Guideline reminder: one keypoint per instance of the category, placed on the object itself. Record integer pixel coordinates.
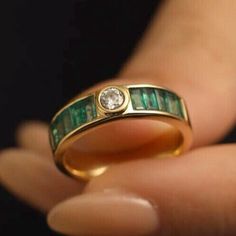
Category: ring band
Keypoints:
(111, 103)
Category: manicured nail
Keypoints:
(105, 213)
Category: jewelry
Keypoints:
(117, 102)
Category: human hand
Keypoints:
(189, 48)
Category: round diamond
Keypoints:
(112, 98)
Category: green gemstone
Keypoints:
(74, 112)
(72, 117)
(160, 96)
(137, 99)
(90, 108)
(83, 111)
(82, 114)
(173, 104)
(51, 139)
(54, 136)
(67, 121)
(180, 108)
(89, 112)
(57, 131)
(150, 99)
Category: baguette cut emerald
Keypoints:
(160, 96)
(57, 131)
(77, 114)
(150, 99)
(145, 99)
(83, 111)
(137, 98)
(67, 121)
(173, 104)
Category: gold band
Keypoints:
(85, 114)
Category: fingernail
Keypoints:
(105, 213)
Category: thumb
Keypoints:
(189, 196)
(191, 59)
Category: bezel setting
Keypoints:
(120, 108)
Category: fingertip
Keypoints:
(34, 180)
(33, 135)
(105, 213)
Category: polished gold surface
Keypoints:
(175, 136)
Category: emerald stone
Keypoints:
(160, 96)
(82, 114)
(57, 130)
(137, 99)
(173, 104)
(83, 111)
(77, 114)
(149, 98)
(89, 110)
(156, 99)
(67, 121)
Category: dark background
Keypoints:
(61, 47)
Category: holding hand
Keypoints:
(189, 48)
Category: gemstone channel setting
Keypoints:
(72, 117)
(156, 99)
(111, 102)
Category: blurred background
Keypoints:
(61, 48)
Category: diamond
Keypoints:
(112, 98)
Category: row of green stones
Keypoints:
(156, 99)
(74, 116)
(84, 110)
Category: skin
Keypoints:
(189, 48)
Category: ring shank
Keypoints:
(87, 165)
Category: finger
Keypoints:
(34, 180)
(95, 222)
(187, 50)
(185, 44)
(192, 195)
(33, 135)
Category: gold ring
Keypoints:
(111, 103)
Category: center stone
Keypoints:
(112, 98)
